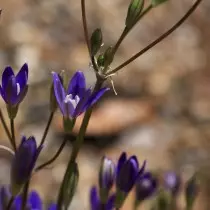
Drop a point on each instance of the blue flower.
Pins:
(95, 202)
(34, 201)
(14, 88)
(76, 99)
(172, 182)
(23, 163)
(146, 185)
(127, 172)
(106, 174)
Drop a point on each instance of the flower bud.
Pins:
(191, 191)
(96, 41)
(23, 163)
(134, 11)
(108, 57)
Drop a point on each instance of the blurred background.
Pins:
(161, 112)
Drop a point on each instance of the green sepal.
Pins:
(68, 124)
(155, 3)
(108, 57)
(12, 111)
(96, 41)
(134, 10)
(120, 198)
(100, 60)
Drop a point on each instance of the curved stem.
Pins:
(163, 36)
(46, 129)
(12, 127)
(5, 126)
(54, 157)
(84, 21)
(10, 203)
(25, 195)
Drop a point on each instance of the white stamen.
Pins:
(74, 101)
(18, 88)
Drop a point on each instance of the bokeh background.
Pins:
(161, 112)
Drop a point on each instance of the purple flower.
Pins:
(106, 174)
(146, 185)
(14, 88)
(95, 202)
(127, 172)
(76, 99)
(34, 201)
(23, 163)
(172, 182)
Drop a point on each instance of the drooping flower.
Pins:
(23, 163)
(106, 174)
(146, 185)
(14, 88)
(33, 202)
(127, 172)
(172, 182)
(96, 204)
(77, 98)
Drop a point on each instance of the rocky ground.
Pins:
(162, 109)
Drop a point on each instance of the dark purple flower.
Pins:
(23, 163)
(76, 99)
(146, 185)
(95, 202)
(14, 88)
(172, 182)
(127, 172)
(106, 174)
(33, 202)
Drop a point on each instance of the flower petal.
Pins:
(35, 200)
(95, 97)
(59, 91)
(121, 162)
(110, 202)
(94, 199)
(77, 85)
(11, 91)
(53, 206)
(22, 76)
(8, 72)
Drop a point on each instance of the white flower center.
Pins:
(18, 88)
(74, 101)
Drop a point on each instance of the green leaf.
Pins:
(134, 10)
(96, 41)
(155, 3)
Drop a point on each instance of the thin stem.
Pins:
(84, 21)
(54, 157)
(12, 127)
(159, 39)
(10, 203)
(127, 30)
(5, 126)
(25, 195)
(47, 128)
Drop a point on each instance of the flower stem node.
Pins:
(23, 163)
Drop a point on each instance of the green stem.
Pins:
(47, 128)
(25, 195)
(54, 157)
(5, 126)
(77, 145)
(10, 203)
(159, 39)
(84, 21)
(12, 127)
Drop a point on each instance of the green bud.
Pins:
(134, 11)
(96, 41)
(12, 111)
(70, 185)
(191, 191)
(155, 3)
(100, 60)
(108, 57)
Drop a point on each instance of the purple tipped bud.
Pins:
(172, 182)
(23, 163)
(106, 174)
(146, 185)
